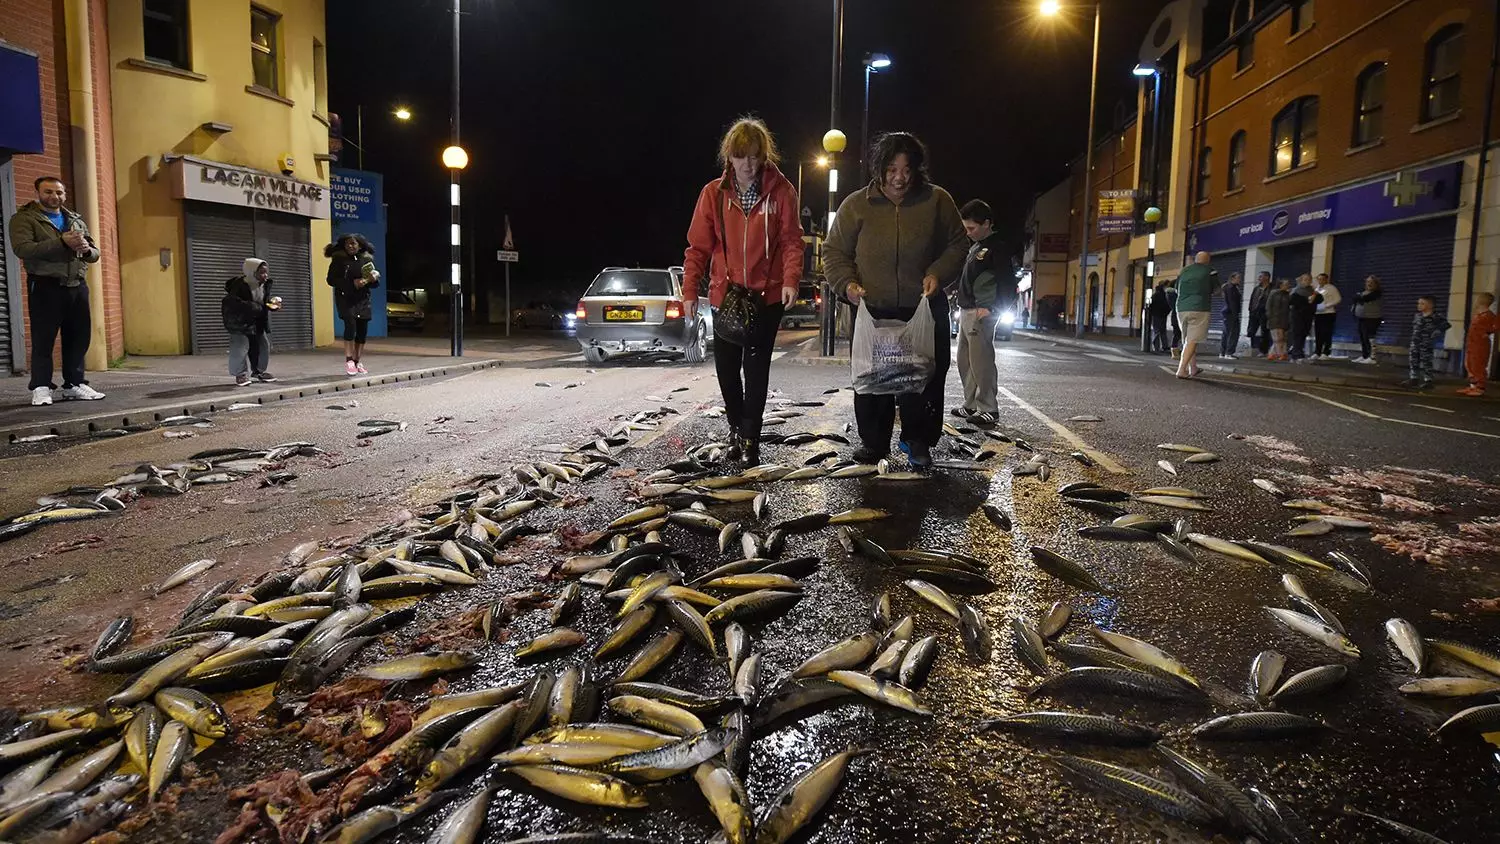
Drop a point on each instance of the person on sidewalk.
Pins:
(1327, 315)
(1234, 299)
(1367, 312)
(1195, 290)
(246, 310)
(54, 246)
(1259, 333)
(984, 289)
(745, 234)
(1278, 317)
(1477, 344)
(889, 245)
(1158, 310)
(1304, 304)
(352, 275)
(1426, 328)
(1176, 346)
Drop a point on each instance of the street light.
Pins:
(874, 62)
(820, 161)
(402, 113)
(1153, 213)
(455, 158)
(1052, 8)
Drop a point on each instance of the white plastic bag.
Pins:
(888, 356)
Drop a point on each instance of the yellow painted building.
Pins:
(220, 142)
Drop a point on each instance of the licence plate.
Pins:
(613, 314)
(802, 303)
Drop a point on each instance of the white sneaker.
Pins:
(81, 392)
(41, 396)
(1232, 357)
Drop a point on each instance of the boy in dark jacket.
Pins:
(1426, 328)
(246, 307)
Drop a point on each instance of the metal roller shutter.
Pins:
(1224, 264)
(1290, 261)
(286, 244)
(219, 239)
(6, 364)
(11, 320)
(1414, 259)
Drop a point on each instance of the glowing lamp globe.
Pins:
(1152, 215)
(834, 141)
(455, 158)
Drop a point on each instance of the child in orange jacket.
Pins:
(1477, 348)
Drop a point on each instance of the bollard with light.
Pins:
(456, 158)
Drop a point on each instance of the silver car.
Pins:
(638, 312)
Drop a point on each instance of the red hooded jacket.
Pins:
(761, 251)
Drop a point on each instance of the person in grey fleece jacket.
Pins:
(889, 246)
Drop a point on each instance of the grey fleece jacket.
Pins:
(888, 248)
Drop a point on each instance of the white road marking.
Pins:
(1444, 428)
(1013, 353)
(1337, 404)
(1057, 356)
(1368, 396)
(1433, 407)
(778, 355)
(1493, 418)
(1113, 358)
(1058, 428)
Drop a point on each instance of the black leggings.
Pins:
(1323, 334)
(1368, 328)
(745, 402)
(355, 329)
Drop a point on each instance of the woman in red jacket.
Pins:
(746, 231)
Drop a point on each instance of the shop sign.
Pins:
(205, 181)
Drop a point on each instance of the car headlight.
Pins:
(1007, 317)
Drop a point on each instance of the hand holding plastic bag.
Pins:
(890, 356)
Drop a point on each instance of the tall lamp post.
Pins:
(1153, 213)
(401, 113)
(874, 63)
(820, 161)
(1053, 8)
(455, 159)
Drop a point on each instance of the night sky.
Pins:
(594, 123)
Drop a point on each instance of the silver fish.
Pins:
(1409, 642)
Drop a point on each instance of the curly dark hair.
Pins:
(337, 245)
(892, 144)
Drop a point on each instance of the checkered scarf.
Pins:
(749, 196)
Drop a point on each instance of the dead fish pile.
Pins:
(215, 466)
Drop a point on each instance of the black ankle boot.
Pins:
(750, 450)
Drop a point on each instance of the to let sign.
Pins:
(508, 256)
(1116, 211)
(207, 181)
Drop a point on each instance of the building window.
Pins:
(1205, 170)
(1244, 55)
(1440, 88)
(166, 31)
(320, 78)
(263, 48)
(1302, 15)
(1294, 136)
(1237, 161)
(1369, 105)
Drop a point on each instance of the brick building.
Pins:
(1344, 137)
(59, 49)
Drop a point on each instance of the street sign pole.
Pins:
(507, 299)
(507, 257)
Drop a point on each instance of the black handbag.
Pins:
(736, 314)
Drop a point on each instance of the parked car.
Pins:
(1004, 326)
(636, 311)
(540, 315)
(808, 306)
(402, 312)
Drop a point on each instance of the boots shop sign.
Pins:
(208, 181)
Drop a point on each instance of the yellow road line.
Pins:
(1077, 442)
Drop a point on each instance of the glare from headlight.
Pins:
(1008, 318)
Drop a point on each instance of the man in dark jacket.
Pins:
(1260, 332)
(1234, 298)
(54, 245)
(985, 289)
(246, 308)
(888, 246)
(1304, 304)
(1158, 310)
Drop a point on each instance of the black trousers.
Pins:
(1160, 342)
(1296, 340)
(1259, 333)
(745, 401)
(921, 413)
(1368, 328)
(55, 308)
(1229, 338)
(1323, 333)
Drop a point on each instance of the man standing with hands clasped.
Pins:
(984, 289)
(54, 245)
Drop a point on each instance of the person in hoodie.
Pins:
(985, 288)
(246, 310)
(1324, 319)
(54, 245)
(1158, 310)
(889, 246)
(746, 231)
(352, 275)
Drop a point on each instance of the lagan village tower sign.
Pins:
(219, 183)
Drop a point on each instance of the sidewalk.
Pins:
(147, 389)
(1340, 373)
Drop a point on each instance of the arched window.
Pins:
(1440, 75)
(1294, 136)
(1236, 179)
(1369, 105)
(1205, 171)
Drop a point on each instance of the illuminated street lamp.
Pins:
(1153, 213)
(820, 161)
(456, 158)
(402, 113)
(1053, 8)
(874, 63)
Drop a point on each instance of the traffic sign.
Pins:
(508, 256)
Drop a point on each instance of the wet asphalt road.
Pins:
(928, 780)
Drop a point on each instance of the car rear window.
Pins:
(631, 283)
